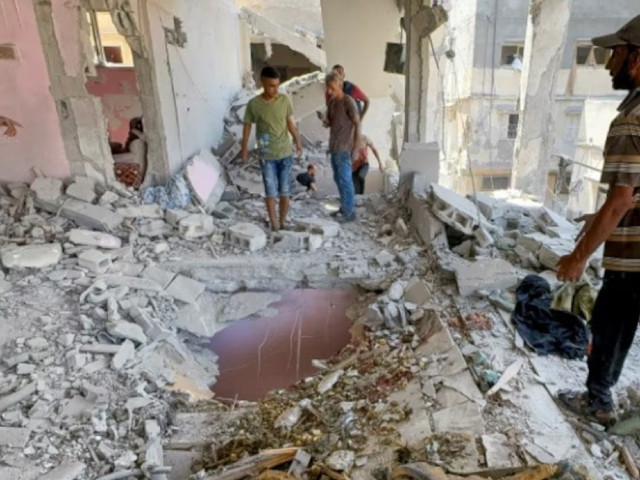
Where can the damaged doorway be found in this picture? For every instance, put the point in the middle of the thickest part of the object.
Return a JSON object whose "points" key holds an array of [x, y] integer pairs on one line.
{"points": [[116, 84]]}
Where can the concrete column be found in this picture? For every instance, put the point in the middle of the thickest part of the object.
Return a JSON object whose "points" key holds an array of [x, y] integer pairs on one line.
{"points": [[416, 76], [546, 37]]}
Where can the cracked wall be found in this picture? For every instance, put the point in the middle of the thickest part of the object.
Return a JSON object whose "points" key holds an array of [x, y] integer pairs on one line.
{"points": [[64, 36], [25, 97]]}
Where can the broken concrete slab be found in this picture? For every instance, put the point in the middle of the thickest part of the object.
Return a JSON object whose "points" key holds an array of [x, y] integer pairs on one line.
{"points": [[141, 211], [95, 261], [326, 228], [14, 437], [196, 226], [47, 189], [181, 462], [484, 274], [244, 304], [458, 389], [550, 254], [464, 418], [127, 331], [67, 471], [428, 228], [152, 327], [31, 256], [417, 291], [126, 352], [296, 241], [455, 210], [173, 217], [155, 228], [185, 289], [247, 235], [500, 452], [18, 396], [161, 277], [206, 179], [91, 216], [384, 258], [82, 191], [422, 159], [94, 239]]}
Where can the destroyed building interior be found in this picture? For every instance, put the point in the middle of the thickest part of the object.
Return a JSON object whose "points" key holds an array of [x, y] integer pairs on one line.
{"points": [[153, 326]]}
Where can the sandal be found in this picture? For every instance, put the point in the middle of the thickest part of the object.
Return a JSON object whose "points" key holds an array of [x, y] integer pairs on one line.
{"points": [[579, 404]]}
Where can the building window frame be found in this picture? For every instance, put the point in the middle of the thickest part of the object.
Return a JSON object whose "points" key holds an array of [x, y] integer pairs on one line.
{"points": [[509, 51], [587, 55], [513, 120]]}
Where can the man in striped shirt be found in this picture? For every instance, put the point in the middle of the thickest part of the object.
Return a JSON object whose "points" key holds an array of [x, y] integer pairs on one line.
{"points": [[617, 224]]}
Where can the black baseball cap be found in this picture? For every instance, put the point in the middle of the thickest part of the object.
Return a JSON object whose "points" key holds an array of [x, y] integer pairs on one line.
{"points": [[627, 35]]}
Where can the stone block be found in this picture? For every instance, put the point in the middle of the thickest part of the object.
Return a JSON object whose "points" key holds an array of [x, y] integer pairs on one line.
{"points": [[455, 210], [126, 353], [532, 241], [181, 462], [47, 189], [196, 226], [490, 207], [500, 452], [82, 191], [484, 274], [152, 327], [464, 418], [155, 228], [141, 211], [296, 241], [422, 158], [108, 198], [94, 239], [31, 256], [95, 261], [417, 292], [173, 217], [127, 331], [549, 255], [326, 228], [248, 236], [428, 228], [66, 471], [14, 437], [384, 258], [185, 289], [25, 368], [91, 216], [161, 277]]}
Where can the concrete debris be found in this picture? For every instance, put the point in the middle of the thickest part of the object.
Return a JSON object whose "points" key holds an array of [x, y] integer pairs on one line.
{"points": [[185, 289], [247, 236], [84, 191], [296, 241], [326, 228], [195, 226], [341, 460], [127, 331], [417, 292], [94, 239], [484, 274], [31, 256], [47, 189], [68, 471], [161, 277], [14, 437], [141, 211], [384, 258], [91, 216], [95, 261], [455, 210]]}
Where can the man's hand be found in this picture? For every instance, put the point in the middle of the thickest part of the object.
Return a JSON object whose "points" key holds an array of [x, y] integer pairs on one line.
{"points": [[571, 268], [245, 155], [588, 221], [299, 148], [10, 126]]}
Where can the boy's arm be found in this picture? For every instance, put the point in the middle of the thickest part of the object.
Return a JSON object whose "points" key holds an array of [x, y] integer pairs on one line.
{"points": [[293, 130], [246, 133], [361, 96]]}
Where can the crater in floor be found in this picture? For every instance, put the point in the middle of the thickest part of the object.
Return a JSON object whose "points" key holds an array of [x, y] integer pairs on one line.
{"points": [[259, 354]]}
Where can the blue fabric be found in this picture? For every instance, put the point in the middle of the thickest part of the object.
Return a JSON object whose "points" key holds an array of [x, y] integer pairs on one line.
{"points": [[276, 175], [341, 165]]}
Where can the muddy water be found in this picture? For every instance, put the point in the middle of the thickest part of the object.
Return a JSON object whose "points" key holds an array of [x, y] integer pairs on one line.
{"points": [[259, 354]]}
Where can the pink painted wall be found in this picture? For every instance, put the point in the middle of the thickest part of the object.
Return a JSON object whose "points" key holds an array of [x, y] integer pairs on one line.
{"points": [[118, 91], [24, 96]]}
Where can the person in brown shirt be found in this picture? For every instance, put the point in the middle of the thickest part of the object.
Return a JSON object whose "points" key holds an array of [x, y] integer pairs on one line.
{"points": [[344, 123], [617, 224]]}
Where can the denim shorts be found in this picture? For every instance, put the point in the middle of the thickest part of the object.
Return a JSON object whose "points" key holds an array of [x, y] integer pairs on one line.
{"points": [[276, 175]]}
